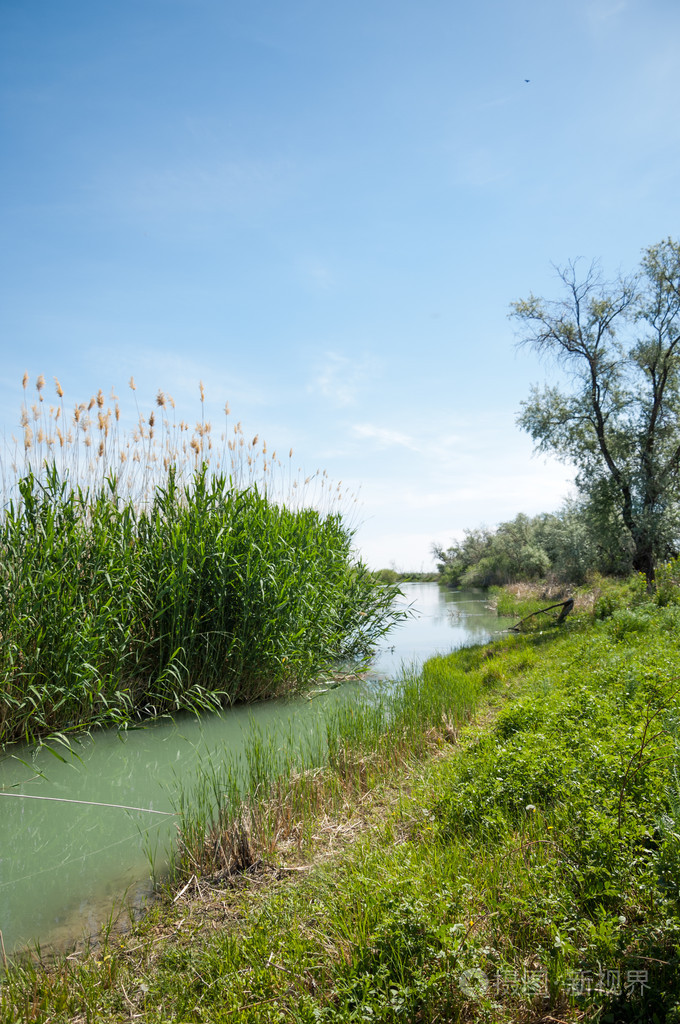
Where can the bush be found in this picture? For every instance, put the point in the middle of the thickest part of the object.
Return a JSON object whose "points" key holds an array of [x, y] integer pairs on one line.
{"points": [[667, 583]]}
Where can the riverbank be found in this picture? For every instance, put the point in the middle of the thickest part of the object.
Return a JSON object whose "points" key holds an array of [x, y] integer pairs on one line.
{"points": [[516, 858], [85, 854]]}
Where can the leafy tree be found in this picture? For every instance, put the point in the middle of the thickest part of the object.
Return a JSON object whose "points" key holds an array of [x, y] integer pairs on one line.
{"points": [[567, 538], [564, 545], [516, 550], [619, 420], [454, 562]]}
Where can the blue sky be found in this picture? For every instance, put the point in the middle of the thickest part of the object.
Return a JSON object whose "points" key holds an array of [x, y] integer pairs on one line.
{"points": [[323, 211]]}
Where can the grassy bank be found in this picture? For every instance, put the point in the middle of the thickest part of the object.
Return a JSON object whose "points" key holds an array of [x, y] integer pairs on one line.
{"points": [[525, 867], [189, 582]]}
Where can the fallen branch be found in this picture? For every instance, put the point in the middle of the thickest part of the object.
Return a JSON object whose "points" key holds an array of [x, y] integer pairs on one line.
{"points": [[566, 607]]}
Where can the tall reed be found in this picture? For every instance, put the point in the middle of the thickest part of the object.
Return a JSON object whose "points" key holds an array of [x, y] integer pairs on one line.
{"points": [[139, 576], [105, 439], [243, 807]]}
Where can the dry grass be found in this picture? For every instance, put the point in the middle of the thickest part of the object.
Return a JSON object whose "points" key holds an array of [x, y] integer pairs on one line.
{"points": [[552, 591]]}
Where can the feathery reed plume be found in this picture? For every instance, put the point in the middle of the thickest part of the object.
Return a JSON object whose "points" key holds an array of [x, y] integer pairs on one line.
{"points": [[87, 447]]}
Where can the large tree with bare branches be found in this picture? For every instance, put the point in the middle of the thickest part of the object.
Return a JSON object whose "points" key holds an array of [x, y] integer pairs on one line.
{"points": [[618, 418]]}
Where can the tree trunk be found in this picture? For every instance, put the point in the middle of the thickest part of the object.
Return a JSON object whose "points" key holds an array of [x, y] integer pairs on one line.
{"points": [[643, 561]]}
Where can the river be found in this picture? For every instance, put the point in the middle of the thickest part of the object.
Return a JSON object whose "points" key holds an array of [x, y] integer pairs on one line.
{"points": [[65, 860]]}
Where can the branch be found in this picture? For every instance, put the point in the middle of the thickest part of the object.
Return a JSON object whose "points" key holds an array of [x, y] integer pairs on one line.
{"points": [[566, 607]]}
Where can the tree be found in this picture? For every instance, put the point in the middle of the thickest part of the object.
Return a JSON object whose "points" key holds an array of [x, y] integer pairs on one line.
{"points": [[619, 420], [556, 545]]}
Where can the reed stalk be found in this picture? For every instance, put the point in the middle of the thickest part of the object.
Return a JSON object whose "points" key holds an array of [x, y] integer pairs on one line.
{"points": [[155, 572]]}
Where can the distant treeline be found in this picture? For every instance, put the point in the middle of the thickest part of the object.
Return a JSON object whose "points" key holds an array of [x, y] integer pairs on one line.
{"points": [[565, 545], [396, 576]]}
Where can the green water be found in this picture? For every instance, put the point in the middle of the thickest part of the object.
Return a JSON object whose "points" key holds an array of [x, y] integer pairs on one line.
{"points": [[63, 864]]}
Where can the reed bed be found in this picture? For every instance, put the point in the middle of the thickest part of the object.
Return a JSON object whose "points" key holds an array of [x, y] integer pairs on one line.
{"points": [[154, 570], [244, 810]]}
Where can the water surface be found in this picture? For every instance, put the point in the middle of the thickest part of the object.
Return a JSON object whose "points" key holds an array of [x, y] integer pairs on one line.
{"points": [[62, 864], [442, 620]]}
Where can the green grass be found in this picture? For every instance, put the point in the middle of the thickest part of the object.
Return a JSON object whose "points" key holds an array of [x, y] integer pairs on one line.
{"points": [[526, 867], [543, 855], [369, 732]]}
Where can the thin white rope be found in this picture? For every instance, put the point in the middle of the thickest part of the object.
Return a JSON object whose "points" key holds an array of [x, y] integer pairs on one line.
{"points": [[82, 856], [87, 803]]}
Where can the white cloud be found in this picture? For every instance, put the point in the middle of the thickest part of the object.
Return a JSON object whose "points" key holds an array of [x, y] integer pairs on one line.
{"points": [[384, 437], [407, 551], [341, 380], [402, 515]]}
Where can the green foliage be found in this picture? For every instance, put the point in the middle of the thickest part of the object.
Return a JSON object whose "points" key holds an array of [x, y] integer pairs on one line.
{"points": [[667, 582], [668, 855], [574, 797], [524, 548], [617, 595], [619, 420], [517, 871], [204, 596], [550, 841], [387, 575], [395, 576]]}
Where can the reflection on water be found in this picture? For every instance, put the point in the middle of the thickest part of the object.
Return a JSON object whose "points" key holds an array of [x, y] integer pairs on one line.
{"points": [[442, 621], [62, 864]]}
